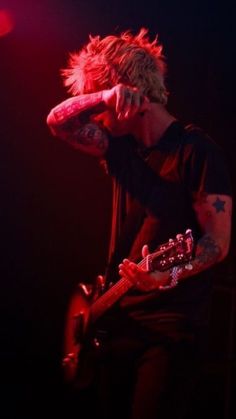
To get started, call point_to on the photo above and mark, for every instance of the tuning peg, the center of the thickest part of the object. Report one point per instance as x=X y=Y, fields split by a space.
x=188 y=231
x=86 y=288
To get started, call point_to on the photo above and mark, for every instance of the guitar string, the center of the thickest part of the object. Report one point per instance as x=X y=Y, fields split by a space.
x=122 y=285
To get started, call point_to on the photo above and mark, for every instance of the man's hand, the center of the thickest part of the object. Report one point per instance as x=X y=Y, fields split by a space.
x=127 y=101
x=142 y=279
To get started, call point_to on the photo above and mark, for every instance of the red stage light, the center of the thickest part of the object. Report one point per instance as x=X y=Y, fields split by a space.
x=6 y=22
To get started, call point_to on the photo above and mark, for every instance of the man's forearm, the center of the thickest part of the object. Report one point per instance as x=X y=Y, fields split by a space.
x=74 y=107
x=70 y=121
x=208 y=253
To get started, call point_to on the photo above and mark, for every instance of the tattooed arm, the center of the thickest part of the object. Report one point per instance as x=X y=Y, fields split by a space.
x=71 y=121
x=74 y=120
x=214 y=217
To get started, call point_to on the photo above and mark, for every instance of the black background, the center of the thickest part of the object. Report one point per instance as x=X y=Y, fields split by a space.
x=55 y=202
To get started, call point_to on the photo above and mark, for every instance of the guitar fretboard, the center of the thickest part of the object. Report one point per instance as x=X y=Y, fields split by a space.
x=109 y=298
x=169 y=254
x=113 y=294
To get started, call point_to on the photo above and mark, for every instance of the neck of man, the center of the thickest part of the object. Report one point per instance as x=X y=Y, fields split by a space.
x=149 y=127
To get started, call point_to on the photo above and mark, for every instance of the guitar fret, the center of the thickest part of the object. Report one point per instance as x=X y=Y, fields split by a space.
x=109 y=298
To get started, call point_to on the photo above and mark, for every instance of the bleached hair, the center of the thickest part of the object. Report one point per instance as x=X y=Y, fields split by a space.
x=129 y=59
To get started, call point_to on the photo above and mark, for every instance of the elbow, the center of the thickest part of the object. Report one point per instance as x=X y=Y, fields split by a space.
x=222 y=256
x=224 y=250
x=50 y=121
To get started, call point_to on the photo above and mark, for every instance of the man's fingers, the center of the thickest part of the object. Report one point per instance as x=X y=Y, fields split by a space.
x=124 y=102
x=133 y=107
x=128 y=268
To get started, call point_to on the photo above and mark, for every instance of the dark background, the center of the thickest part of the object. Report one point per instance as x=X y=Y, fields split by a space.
x=55 y=202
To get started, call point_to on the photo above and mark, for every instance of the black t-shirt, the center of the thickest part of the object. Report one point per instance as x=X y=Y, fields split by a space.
x=163 y=180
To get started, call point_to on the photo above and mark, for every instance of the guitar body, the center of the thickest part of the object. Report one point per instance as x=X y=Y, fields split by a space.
x=75 y=360
x=89 y=303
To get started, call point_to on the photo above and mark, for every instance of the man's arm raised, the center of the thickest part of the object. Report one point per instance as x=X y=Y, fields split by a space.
x=70 y=121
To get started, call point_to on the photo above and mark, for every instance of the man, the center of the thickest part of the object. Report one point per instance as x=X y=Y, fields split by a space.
x=167 y=179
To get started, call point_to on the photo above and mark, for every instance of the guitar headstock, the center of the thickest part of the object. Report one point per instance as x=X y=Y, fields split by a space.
x=174 y=252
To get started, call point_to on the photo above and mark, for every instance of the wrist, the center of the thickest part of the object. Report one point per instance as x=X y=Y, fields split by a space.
x=174 y=276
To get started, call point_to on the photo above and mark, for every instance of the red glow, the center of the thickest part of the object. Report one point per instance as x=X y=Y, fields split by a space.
x=6 y=22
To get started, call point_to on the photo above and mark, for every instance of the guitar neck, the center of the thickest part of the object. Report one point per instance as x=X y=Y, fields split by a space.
x=100 y=306
x=113 y=294
x=174 y=252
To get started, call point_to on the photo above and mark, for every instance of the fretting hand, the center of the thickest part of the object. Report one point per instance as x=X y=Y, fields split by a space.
x=142 y=279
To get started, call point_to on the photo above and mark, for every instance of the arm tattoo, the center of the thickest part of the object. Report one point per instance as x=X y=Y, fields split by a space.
x=70 y=121
x=208 y=253
x=78 y=105
x=89 y=135
x=219 y=205
x=201 y=198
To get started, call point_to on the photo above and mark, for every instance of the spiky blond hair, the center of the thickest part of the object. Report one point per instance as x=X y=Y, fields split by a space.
x=129 y=59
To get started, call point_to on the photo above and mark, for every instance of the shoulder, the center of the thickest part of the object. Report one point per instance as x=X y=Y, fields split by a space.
x=198 y=143
x=197 y=137
x=204 y=162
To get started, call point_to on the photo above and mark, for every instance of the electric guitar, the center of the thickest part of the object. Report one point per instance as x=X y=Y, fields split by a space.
x=86 y=307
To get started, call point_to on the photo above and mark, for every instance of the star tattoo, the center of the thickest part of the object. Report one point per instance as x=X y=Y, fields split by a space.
x=219 y=205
